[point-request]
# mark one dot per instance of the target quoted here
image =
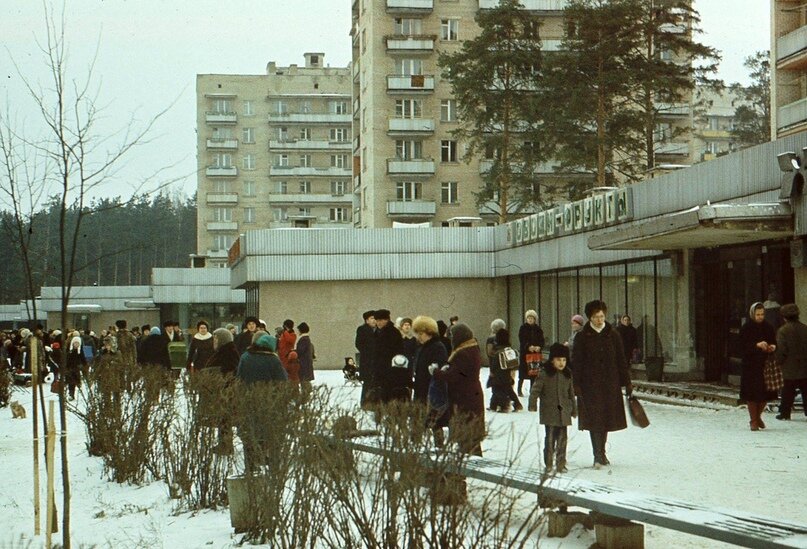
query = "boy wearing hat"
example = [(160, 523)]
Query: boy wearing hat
[(555, 388)]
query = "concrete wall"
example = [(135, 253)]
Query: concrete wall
[(333, 311)]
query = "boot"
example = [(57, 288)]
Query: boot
[(752, 413), (761, 408), (520, 387)]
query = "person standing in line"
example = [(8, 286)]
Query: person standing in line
[(530, 340), (76, 363), (410, 343), (223, 362), (577, 324), (555, 389), (286, 341), (600, 369), (388, 343), (244, 339), (430, 351), (791, 353), (445, 337), (630, 339), (201, 348), (365, 344), (305, 354), (154, 350), (758, 341), (127, 344)]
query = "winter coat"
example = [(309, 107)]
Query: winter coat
[(75, 365), (410, 348), (285, 344), (200, 351), (431, 352), (225, 359), (305, 354), (155, 351), (791, 350), (243, 341), (127, 346), (630, 340), (259, 364), (465, 394), (600, 369), (499, 378), (555, 389), (365, 343), (528, 335), (388, 384), (752, 380)]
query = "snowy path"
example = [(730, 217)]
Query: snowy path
[(706, 456)]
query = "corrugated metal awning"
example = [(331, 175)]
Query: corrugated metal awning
[(700, 227)]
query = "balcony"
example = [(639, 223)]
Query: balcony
[(409, 44), (309, 145), (790, 46), (410, 5), (673, 109), (222, 198), (356, 108), (410, 83), (310, 172), (411, 209), (673, 148), (530, 5), (792, 114), (539, 168), (222, 143), (212, 117), (411, 125), (356, 69), (222, 226), (311, 199), (418, 166), (221, 171), (310, 118), (356, 144), (716, 134)]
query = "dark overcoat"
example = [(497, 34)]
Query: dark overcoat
[(791, 350), (528, 335), (431, 352), (600, 369), (752, 382), (388, 384), (555, 391), (365, 343), (305, 354)]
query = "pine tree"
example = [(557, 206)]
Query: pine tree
[(752, 119)]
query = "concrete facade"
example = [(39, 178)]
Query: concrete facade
[(788, 67)]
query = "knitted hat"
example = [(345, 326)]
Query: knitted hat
[(558, 350), (460, 333), (155, 331), (267, 342), (579, 319)]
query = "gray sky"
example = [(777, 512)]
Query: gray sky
[(151, 50)]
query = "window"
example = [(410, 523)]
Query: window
[(531, 27), (249, 135), (408, 67), (315, 60), (531, 150), (222, 133), (282, 133), (248, 108), (221, 186), (663, 132), (280, 214), (712, 147), (448, 110), (249, 161), (449, 29), (223, 160), (448, 151), (305, 211), (339, 107), (714, 123), (665, 55), (338, 188), (222, 106), (408, 149), (223, 241), (282, 160), (448, 192), (407, 191), (222, 214), (337, 214), (408, 108), (249, 215), (282, 187), (305, 187), (339, 161), (282, 107), (408, 27), (305, 160), (249, 188), (305, 106), (338, 134), (305, 134)]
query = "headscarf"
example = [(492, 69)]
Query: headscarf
[(155, 331), (76, 339), (754, 306), (267, 341)]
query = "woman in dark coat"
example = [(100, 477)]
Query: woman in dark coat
[(600, 369), (501, 381), (154, 350), (218, 409), (76, 363), (758, 341), (465, 395), (430, 351), (530, 340), (305, 353), (201, 348)]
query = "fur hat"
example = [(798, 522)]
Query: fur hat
[(56, 333), (531, 313), (382, 314), (579, 319), (460, 333), (594, 306), (368, 314), (426, 325), (789, 311), (24, 333), (558, 350), (120, 324), (497, 325), (75, 340), (222, 336), (249, 319)]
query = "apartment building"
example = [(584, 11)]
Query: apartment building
[(788, 67), (273, 151)]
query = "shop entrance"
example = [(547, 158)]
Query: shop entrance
[(727, 281)]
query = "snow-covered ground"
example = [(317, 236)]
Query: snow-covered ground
[(694, 454)]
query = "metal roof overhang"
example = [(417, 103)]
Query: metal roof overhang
[(701, 227), (84, 308)]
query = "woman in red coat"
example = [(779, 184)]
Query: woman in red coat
[(465, 396), (286, 342)]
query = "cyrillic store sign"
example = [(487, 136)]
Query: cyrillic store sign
[(600, 210)]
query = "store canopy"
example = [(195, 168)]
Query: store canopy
[(700, 227)]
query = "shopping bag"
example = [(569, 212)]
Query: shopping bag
[(508, 359), (773, 375), (638, 417)]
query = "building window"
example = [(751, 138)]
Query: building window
[(249, 188), (223, 241), (222, 214), (338, 188), (339, 107), (222, 106), (408, 27), (448, 192), (249, 135), (223, 160), (282, 187), (305, 107), (305, 134), (305, 187), (448, 110), (249, 161), (222, 133), (406, 191), (280, 214), (305, 211), (448, 150), (305, 160), (449, 29), (338, 135), (249, 215), (248, 108), (282, 133), (408, 108), (282, 107), (221, 186), (282, 160), (408, 67), (339, 161), (406, 149), (337, 214)]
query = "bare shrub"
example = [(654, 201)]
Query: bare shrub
[(6, 383)]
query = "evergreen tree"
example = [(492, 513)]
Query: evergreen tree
[(752, 118)]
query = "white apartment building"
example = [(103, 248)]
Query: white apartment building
[(273, 151), (788, 67)]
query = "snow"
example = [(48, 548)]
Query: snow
[(704, 456)]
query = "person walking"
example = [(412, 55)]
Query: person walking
[(201, 347), (530, 340), (630, 339), (154, 350), (600, 369), (791, 353), (388, 343), (430, 351), (127, 344), (555, 389), (758, 341), (76, 363), (365, 344), (501, 380), (244, 339)]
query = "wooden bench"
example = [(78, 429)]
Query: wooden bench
[(726, 525)]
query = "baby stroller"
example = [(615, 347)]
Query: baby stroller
[(351, 371)]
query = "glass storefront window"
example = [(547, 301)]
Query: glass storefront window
[(547, 308), (667, 303), (613, 292), (641, 305), (567, 304)]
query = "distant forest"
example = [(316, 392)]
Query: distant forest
[(120, 242)]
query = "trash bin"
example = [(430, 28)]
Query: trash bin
[(654, 368), (177, 352)]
